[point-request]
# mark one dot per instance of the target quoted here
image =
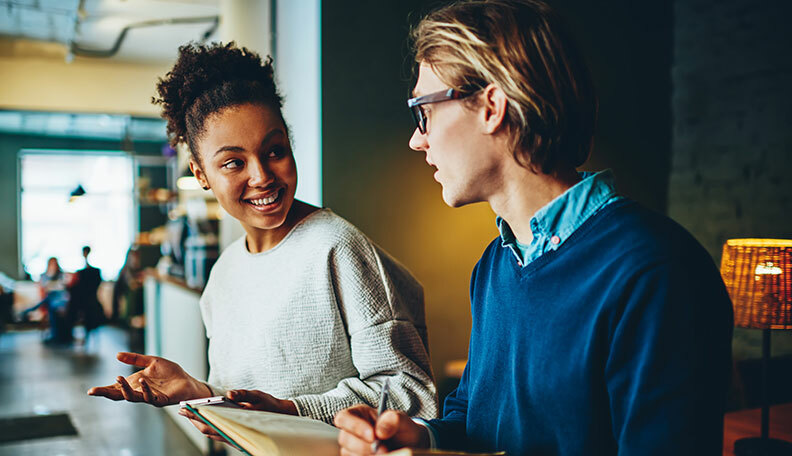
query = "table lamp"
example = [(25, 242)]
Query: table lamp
[(758, 275)]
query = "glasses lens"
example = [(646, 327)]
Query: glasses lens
[(419, 118)]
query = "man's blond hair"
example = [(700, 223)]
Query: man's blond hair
[(522, 47)]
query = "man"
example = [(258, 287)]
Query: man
[(84, 304), (599, 327)]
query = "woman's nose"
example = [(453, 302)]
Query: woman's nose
[(418, 141), (259, 174)]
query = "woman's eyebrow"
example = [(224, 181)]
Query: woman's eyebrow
[(266, 139), (229, 148)]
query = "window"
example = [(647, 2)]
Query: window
[(55, 225)]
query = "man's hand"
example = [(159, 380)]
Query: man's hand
[(161, 382), (360, 428)]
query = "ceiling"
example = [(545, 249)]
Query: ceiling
[(91, 28)]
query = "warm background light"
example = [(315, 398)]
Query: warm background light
[(758, 274)]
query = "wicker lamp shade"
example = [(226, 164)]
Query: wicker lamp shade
[(758, 275)]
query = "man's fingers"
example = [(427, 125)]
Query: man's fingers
[(129, 394), (135, 359), (389, 423), (111, 392), (353, 444), (345, 452), (358, 421)]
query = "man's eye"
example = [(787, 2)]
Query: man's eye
[(232, 164)]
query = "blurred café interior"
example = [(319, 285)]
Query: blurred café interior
[(694, 121)]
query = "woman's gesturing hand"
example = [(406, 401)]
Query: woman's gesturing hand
[(160, 382), (360, 427)]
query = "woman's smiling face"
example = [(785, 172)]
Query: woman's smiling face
[(246, 160)]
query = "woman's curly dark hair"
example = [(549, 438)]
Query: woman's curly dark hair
[(207, 79)]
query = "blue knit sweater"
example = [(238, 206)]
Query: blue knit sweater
[(619, 342)]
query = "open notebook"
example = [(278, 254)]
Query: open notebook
[(274, 434), (270, 434)]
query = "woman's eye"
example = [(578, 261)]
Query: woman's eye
[(232, 164), (277, 152)]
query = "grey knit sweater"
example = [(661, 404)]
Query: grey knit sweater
[(321, 319)]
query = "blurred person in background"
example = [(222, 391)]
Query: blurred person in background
[(55, 302), (83, 303), (6, 301), (128, 287)]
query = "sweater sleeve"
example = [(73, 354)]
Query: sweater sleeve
[(206, 315), (382, 308), (449, 431), (669, 364)]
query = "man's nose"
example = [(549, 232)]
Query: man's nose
[(418, 140)]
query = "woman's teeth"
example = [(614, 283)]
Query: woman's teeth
[(264, 201)]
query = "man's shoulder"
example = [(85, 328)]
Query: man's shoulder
[(636, 237), (640, 227)]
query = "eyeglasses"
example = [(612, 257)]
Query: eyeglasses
[(417, 111)]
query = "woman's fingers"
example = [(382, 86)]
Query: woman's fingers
[(201, 426), (111, 392), (197, 422), (187, 414), (135, 359), (148, 395), (252, 397), (127, 391)]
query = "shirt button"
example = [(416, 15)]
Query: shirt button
[(555, 239)]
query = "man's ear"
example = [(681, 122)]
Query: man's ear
[(199, 174), (494, 103)]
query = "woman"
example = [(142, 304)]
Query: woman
[(56, 297), (304, 308)]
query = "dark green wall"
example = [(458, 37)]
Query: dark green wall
[(372, 178), (10, 145)]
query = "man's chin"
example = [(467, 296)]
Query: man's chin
[(453, 200)]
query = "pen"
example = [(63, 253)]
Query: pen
[(382, 404)]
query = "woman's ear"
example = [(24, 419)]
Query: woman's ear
[(494, 104), (199, 174)]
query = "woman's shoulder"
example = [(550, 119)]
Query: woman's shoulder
[(326, 228)]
